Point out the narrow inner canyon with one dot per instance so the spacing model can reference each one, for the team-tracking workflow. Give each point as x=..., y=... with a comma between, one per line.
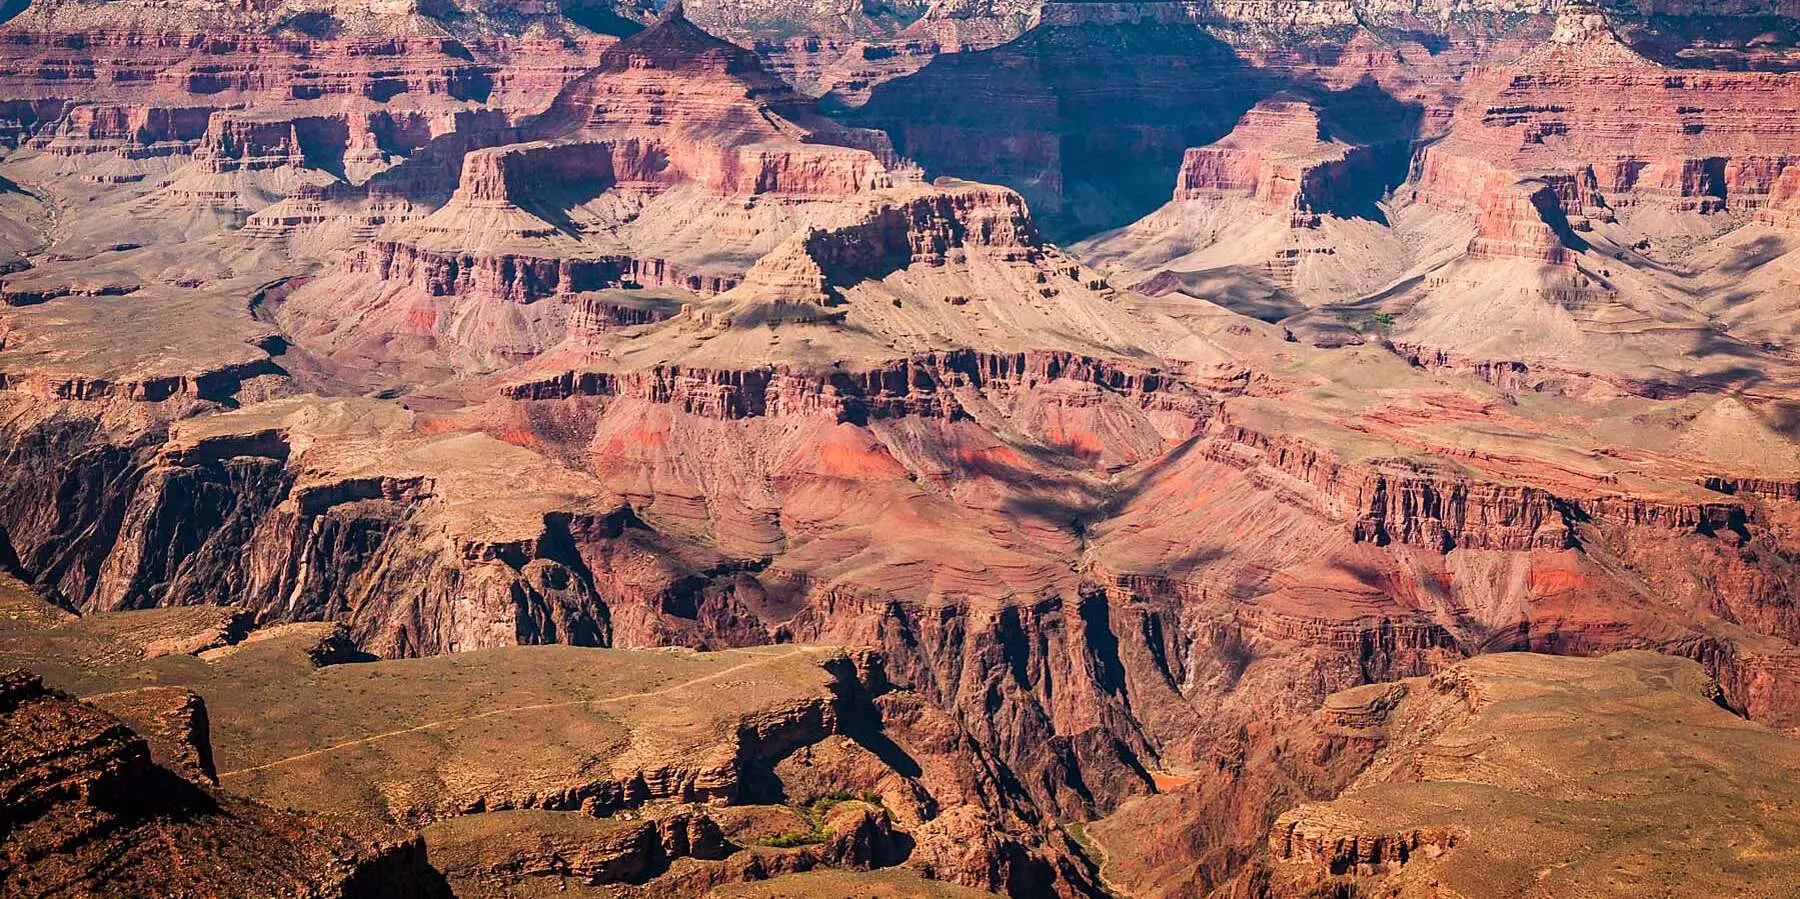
x=1286, y=449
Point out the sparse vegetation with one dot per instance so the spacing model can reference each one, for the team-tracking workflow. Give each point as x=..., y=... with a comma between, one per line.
x=815, y=814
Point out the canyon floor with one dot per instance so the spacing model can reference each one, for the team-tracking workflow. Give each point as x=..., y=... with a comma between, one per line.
x=1139, y=449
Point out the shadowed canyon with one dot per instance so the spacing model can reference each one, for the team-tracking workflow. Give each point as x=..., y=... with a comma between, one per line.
x=1250, y=449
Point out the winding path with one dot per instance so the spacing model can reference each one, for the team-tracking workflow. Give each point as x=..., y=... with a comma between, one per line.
x=491, y=713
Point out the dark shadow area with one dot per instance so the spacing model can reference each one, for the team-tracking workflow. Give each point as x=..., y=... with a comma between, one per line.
x=600, y=18
x=864, y=727
x=317, y=25
x=1726, y=42
x=1368, y=117
x=1110, y=675
x=9, y=557
x=1241, y=289
x=1094, y=503
x=1760, y=252
x=323, y=142
x=1551, y=210
x=1089, y=123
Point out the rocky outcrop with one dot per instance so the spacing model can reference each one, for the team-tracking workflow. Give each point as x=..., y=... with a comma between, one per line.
x=708, y=98
x=116, y=94
x=248, y=144
x=522, y=278
x=228, y=521
x=614, y=186
x=1398, y=502
x=924, y=229
x=912, y=227
x=1280, y=156
x=1516, y=223
x=1585, y=107
x=129, y=130
x=498, y=849
x=1316, y=843
x=1393, y=502
x=925, y=386
x=90, y=814
x=58, y=751
x=84, y=50
x=173, y=720
x=1382, y=832
x=213, y=384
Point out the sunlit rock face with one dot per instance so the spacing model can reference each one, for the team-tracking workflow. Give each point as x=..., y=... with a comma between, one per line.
x=849, y=446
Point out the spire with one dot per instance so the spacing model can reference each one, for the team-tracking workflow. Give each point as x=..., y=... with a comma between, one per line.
x=1584, y=36
x=1582, y=22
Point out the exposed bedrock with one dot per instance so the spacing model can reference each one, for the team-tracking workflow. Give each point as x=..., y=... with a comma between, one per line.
x=248, y=143
x=137, y=130
x=1523, y=221
x=519, y=173
x=892, y=231
x=924, y=229
x=1611, y=129
x=174, y=722
x=924, y=793
x=90, y=813
x=480, y=851
x=1080, y=692
x=520, y=278
x=227, y=521
x=1726, y=559
x=923, y=386
x=1285, y=158
x=435, y=280
x=1398, y=504
x=516, y=173
x=1051, y=113
x=91, y=61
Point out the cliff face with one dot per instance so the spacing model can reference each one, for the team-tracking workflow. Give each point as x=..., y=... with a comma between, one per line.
x=1515, y=223
x=1349, y=808
x=733, y=766
x=1281, y=156
x=495, y=335
x=122, y=94
x=915, y=227
x=1390, y=504
x=86, y=805
x=1042, y=115
x=625, y=182
x=844, y=54
x=1341, y=842
x=224, y=519
x=1587, y=107
x=926, y=387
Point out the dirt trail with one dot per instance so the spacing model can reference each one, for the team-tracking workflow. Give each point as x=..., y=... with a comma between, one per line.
x=491, y=713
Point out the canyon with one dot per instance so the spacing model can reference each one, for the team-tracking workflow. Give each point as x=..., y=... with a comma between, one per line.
x=1077, y=449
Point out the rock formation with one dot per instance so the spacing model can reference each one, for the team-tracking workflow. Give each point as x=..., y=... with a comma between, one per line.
x=1629, y=701
x=621, y=458
x=90, y=814
x=1358, y=795
x=719, y=768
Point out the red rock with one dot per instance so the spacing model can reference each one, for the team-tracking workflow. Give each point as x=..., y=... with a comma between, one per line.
x=1280, y=156
x=1586, y=106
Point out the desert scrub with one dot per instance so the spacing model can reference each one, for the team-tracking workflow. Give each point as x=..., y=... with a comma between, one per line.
x=1078, y=832
x=815, y=816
